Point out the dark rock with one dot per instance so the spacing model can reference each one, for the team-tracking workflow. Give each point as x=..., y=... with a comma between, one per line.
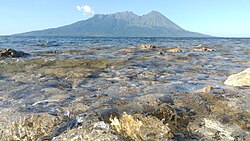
x=160, y=53
x=178, y=119
x=167, y=99
x=109, y=113
x=12, y=53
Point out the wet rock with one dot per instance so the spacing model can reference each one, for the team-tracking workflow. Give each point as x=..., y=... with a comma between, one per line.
x=214, y=130
x=125, y=51
x=116, y=102
x=206, y=89
x=176, y=118
x=140, y=127
x=97, y=131
x=70, y=124
x=238, y=136
x=47, y=44
x=12, y=53
x=47, y=52
x=147, y=46
x=150, y=100
x=107, y=75
x=173, y=50
x=166, y=99
x=203, y=48
x=109, y=113
x=31, y=127
x=221, y=119
x=160, y=53
x=42, y=44
x=52, y=91
x=101, y=125
x=99, y=95
x=240, y=79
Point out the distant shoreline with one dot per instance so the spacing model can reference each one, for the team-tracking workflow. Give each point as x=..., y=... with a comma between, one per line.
x=128, y=37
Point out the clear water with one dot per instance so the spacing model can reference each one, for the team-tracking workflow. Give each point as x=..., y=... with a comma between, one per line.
x=166, y=74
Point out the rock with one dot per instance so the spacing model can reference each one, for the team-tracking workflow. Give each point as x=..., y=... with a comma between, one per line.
x=107, y=75
x=140, y=127
x=240, y=79
x=151, y=100
x=109, y=113
x=160, y=53
x=206, y=89
x=214, y=130
x=177, y=119
x=31, y=127
x=147, y=46
x=125, y=51
x=97, y=131
x=12, y=53
x=42, y=44
x=101, y=125
x=202, y=48
x=47, y=44
x=173, y=50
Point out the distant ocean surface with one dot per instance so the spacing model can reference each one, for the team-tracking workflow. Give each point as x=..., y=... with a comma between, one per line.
x=29, y=44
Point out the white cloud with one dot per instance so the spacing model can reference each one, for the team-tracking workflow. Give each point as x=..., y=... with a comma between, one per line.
x=86, y=9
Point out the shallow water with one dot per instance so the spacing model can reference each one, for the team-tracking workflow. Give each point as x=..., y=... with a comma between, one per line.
x=35, y=88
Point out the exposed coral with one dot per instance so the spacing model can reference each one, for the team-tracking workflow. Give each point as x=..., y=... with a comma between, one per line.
x=30, y=127
x=140, y=127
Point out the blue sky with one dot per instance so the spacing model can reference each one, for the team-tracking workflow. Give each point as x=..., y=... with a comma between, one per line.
x=227, y=18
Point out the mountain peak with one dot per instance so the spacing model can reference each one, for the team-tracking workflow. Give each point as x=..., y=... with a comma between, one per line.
x=154, y=13
x=125, y=15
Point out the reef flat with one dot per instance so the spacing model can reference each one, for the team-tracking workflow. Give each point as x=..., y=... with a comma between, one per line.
x=124, y=89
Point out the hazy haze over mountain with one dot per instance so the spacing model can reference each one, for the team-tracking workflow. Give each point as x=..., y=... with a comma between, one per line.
x=122, y=24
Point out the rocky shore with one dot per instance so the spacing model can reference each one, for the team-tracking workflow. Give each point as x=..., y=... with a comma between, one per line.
x=12, y=53
x=139, y=93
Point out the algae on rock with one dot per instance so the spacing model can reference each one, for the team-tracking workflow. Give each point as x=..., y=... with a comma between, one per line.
x=70, y=68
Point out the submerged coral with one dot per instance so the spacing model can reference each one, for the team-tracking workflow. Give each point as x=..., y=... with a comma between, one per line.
x=70, y=68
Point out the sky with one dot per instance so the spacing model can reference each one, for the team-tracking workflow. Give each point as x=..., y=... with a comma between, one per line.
x=223, y=18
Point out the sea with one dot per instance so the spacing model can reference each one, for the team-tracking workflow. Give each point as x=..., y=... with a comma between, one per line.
x=82, y=75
